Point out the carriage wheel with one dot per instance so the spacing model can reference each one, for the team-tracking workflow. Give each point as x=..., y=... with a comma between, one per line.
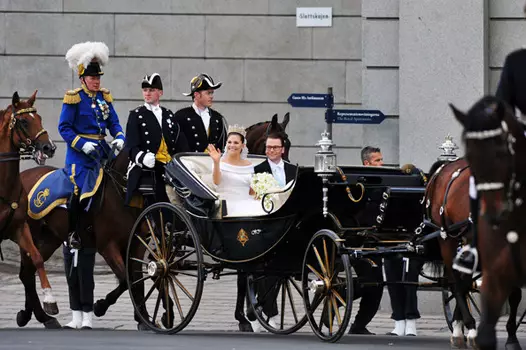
x=449, y=302
x=277, y=302
x=164, y=264
x=327, y=286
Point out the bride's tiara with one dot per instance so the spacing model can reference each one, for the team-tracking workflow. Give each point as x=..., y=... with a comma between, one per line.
x=237, y=129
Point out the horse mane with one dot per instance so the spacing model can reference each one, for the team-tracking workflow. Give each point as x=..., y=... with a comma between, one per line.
x=256, y=125
x=435, y=167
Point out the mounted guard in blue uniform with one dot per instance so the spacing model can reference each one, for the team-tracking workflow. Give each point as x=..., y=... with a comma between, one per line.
x=87, y=115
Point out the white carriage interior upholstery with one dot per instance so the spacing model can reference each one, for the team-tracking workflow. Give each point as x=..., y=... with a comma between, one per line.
x=201, y=168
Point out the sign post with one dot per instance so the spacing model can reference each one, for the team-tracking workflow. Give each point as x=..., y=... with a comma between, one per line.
x=338, y=116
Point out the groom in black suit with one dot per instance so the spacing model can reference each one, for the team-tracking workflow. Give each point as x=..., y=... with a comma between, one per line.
x=283, y=172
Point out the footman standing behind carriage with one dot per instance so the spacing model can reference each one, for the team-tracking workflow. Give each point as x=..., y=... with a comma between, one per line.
x=201, y=124
x=152, y=138
x=511, y=89
x=86, y=114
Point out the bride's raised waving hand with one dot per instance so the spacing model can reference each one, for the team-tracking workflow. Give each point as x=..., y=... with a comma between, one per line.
x=214, y=153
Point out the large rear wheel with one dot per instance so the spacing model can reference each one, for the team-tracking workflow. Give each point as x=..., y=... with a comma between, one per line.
x=165, y=271
x=327, y=286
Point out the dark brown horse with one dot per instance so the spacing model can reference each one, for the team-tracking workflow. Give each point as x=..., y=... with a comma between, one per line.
x=495, y=149
x=21, y=133
x=257, y=135
x=108, y=221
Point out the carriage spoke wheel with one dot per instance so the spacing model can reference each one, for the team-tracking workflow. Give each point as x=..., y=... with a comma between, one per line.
x=277, y=302
x=164, y=266
x=327, y=286
x=473, y=300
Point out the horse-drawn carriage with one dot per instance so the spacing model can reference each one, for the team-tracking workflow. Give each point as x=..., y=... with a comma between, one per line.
x=297, y=255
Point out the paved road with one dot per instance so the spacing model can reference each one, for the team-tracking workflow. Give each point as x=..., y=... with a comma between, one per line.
x=123, y=340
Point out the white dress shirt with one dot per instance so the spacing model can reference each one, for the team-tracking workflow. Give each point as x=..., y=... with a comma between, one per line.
x=157, y=111
x=278, y=170
x=205, y=116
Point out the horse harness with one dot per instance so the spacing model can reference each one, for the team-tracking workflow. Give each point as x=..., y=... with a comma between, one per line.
x=455, y=230
x=514, y=186
x=15, y=125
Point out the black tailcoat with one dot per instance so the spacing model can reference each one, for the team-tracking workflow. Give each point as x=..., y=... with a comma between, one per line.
x=193, y=128
x=512, y=84
x=144, y=134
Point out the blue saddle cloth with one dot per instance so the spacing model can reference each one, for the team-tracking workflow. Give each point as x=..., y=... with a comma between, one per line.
x=53, y=189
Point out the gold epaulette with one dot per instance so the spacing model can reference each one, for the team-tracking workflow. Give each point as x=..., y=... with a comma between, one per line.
x=72, y=96
x=107, y=95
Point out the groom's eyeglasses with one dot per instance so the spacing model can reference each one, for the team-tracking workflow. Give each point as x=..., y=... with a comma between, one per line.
x=274, y=148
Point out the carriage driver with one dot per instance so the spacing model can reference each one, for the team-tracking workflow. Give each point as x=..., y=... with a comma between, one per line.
x=152, y=138
x=201, y=124
x=87, y=112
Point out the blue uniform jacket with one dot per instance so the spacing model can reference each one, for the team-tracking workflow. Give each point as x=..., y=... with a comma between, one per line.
x=86, y=117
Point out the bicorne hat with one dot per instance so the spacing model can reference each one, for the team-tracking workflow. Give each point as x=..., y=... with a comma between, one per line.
x=87, y=58
x=152, y=81
x=202, y=82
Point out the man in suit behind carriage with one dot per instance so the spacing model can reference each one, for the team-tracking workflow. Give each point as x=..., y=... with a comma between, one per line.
x=511, y=89
x=152, y=138
x=201, y=124
x=87, y=112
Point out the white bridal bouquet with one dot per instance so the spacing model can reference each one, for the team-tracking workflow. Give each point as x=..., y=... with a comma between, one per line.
x=261, y=183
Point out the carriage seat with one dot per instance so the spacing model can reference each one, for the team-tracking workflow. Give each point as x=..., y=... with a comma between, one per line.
x=201, y=166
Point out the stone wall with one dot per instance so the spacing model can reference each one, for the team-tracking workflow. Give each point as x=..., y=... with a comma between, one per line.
x=407, y=58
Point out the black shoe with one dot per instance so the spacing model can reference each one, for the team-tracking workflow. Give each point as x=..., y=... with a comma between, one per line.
x=466, y=261
x=74, y=241
x=360, y=330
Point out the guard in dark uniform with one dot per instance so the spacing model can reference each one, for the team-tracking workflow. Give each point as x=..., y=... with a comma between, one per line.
x=201, y=124
x=512, y=90
x=152, y=138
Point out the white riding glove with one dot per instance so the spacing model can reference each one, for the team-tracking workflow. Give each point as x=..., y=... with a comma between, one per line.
x=149, y=160
x=119, y=144
x=89, y=147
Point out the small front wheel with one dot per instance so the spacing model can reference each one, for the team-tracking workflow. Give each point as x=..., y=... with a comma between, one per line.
x=327, y=286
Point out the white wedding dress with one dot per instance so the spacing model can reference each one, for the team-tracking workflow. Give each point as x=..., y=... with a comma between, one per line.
x=234, y=188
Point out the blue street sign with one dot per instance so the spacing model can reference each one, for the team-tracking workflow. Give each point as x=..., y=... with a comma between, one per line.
x=354, y=116
x=311, y=100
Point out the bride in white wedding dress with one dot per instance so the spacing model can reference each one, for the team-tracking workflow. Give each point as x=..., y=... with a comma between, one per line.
x=232, y=174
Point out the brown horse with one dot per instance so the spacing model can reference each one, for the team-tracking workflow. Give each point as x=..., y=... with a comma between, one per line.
x=257, y=135
x=447, y=209
x=495, y=148
x=22, y=134
x=108, y=221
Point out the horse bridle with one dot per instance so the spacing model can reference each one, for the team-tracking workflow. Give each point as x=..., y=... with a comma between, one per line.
x=26, y=145
x=513, y=184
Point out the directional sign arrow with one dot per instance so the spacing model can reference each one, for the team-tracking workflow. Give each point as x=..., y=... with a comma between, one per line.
x=354, y=116
x=311, y=100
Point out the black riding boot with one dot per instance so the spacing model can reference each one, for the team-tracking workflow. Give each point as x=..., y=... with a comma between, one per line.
x=466, y=260
x=73, y=213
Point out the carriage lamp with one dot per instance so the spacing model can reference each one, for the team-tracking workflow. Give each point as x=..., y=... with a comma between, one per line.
x=325, y=166
x=448, y=150
x=325, y=158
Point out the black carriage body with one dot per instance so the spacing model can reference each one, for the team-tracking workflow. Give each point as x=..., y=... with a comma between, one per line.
x=390, y=208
